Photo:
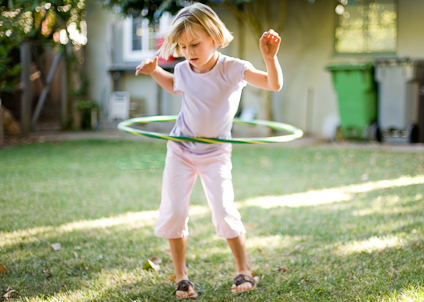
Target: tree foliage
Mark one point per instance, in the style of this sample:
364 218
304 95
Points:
260 15
46 21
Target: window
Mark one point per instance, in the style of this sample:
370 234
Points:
140 37
366 26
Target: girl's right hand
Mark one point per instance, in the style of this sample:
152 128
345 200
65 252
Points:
147 66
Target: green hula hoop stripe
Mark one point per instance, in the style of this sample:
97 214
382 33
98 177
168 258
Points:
296 133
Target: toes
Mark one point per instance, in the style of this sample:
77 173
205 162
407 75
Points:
245 286
191 291
181 294
184 294
242 287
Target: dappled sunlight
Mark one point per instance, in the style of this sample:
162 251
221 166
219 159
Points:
131 220
105 281
300 199
409 294
198 210
70 296
272 242
370 245
127 220
343 193
389 205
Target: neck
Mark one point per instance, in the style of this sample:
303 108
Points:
208 66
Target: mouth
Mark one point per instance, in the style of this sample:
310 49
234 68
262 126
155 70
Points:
194 60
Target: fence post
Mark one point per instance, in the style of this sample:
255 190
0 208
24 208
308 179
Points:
46 89
64 93
26 99
1 126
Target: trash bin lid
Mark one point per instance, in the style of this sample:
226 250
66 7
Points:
349 66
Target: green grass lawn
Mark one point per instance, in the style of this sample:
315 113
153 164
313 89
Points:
324 224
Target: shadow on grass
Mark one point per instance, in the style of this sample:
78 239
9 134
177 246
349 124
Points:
366 248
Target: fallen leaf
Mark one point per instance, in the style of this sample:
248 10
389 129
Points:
75 254
282 269
3 269
92 235
55 246
253 274
171 277
259 250
47 272
9 293
150 265
156 260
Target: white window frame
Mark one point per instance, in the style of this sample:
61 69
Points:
130 55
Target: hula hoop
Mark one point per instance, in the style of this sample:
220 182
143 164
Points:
295 132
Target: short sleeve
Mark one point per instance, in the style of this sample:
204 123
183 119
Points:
235 69
245 65
177 76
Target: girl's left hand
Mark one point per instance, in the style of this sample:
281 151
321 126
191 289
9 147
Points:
269 44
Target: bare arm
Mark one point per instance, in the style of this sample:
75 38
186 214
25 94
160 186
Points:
164 78
273 78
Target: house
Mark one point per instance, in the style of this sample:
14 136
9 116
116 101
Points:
316 33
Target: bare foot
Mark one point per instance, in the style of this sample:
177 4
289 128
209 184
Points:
185 290
244 283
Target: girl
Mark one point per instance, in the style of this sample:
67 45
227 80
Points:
210 84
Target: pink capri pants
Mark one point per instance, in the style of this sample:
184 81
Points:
181 169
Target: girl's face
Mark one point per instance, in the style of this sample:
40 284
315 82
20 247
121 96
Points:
199 49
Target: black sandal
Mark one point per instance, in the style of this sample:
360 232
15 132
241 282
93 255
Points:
240 279
183 286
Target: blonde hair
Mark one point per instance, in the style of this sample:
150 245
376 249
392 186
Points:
192 18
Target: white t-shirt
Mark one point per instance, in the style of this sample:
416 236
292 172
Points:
210 100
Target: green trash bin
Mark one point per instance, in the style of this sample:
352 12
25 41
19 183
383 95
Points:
357 98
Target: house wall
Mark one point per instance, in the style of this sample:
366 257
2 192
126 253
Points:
105 36
411 28
307 99
99 49
307 46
